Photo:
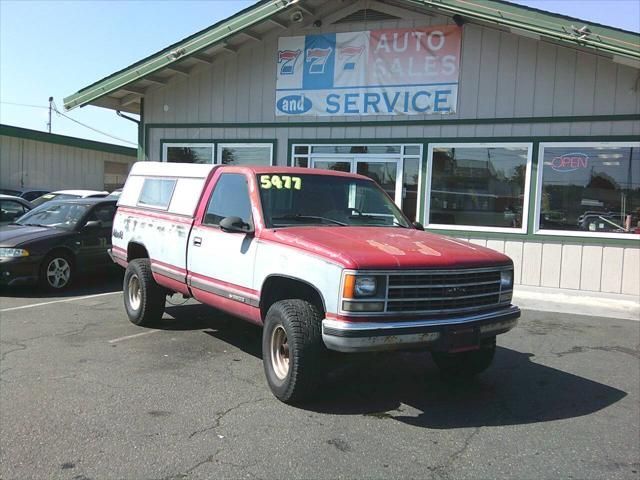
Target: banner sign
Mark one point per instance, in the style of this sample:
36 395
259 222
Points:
379 72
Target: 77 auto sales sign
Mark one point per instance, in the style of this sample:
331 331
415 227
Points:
379 72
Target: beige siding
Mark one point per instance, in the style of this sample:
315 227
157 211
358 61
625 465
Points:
593 268
30 163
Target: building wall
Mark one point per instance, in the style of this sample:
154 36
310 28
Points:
503 76
31 163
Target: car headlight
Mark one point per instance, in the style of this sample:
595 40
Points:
13 252
506 280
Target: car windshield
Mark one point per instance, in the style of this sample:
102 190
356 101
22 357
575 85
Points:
52 196
57 214
298 200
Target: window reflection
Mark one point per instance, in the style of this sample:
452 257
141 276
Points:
590 189
478 186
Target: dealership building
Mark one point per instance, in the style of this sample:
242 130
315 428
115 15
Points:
510 127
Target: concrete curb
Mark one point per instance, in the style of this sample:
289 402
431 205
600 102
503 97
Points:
626 307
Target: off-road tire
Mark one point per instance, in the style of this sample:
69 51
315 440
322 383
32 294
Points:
144 299
46 280
300 321
466 364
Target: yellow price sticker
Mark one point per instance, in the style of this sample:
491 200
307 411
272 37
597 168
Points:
280 181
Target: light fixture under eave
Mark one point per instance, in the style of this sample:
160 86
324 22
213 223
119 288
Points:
296 16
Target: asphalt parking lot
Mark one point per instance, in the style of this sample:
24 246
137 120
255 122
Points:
84 394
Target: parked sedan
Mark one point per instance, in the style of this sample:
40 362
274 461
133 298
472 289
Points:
28 194
12 208
69 194
53 243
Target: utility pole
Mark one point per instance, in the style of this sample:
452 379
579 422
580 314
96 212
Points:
50 107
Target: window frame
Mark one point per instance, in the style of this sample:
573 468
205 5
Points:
167 145
538 199
222 145
475 228
204 223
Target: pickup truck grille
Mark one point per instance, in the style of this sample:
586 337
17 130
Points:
443 292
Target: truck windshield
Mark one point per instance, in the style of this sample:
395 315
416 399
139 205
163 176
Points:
299 200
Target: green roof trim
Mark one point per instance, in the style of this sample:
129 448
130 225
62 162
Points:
563 29
38 136
176 52
558 27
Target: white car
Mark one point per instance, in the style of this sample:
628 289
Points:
68 194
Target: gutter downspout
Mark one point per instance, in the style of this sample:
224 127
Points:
141 153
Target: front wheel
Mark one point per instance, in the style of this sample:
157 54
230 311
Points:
292 349
466 364
56 272
144 299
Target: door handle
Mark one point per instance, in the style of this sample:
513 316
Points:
197 241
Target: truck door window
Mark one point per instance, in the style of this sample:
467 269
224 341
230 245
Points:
230 198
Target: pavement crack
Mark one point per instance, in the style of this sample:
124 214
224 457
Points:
442 471
21 346
220 416
78 331
613 348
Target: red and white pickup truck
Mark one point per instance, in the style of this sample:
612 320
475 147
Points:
322 259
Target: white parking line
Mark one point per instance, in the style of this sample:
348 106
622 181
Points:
58 301
116 340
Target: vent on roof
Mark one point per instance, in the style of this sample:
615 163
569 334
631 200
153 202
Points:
366 15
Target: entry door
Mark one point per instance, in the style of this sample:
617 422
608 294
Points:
222 262
385 172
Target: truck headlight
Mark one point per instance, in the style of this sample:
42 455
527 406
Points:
359 286
506 286
506 280
365 286
13 252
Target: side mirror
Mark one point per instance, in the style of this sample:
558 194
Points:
418 226
92 225
235 225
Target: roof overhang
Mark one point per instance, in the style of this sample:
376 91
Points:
124 89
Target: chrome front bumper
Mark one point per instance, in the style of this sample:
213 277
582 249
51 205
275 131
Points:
447 334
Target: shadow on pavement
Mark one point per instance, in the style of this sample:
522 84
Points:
104 282
515 390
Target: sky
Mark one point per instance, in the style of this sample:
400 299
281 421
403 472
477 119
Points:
54 48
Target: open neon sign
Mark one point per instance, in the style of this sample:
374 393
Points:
569 162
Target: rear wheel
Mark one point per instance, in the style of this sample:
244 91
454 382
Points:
292 349
56 272
144 299
466 364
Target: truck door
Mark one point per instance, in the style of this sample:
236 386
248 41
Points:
218 262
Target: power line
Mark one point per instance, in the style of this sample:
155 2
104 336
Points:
55 109
24 105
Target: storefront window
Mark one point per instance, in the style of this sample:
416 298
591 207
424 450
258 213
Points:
188 153
245 154
589 188
479 187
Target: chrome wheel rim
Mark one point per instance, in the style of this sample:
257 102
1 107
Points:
280 352
58 272
133 292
